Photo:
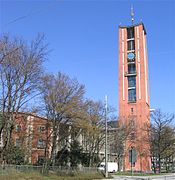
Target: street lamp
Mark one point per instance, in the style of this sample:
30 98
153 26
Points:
106 138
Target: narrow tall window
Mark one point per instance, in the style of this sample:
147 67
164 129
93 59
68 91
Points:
41 160
41 128
132 95
131 45
130 33
131 81
41 144
131 68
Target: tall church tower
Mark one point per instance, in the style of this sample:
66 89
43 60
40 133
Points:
134 99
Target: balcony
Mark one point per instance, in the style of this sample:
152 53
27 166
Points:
131 73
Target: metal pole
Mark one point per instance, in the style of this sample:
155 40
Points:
131 160
106 140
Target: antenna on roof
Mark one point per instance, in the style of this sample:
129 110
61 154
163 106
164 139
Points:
132 14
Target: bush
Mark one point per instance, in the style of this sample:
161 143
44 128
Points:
14 155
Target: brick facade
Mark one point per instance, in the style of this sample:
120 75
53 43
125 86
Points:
30 133
134 107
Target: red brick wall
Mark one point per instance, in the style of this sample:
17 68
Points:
141 107
30 135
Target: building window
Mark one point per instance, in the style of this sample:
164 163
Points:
18 142
131 81
41 128
18 128
41 144
132 95
131 45
130 33
131 68
41 160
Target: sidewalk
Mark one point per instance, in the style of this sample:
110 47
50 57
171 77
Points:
170 176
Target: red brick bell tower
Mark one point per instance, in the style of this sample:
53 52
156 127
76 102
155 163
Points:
134 99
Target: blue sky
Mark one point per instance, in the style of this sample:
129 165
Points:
83 37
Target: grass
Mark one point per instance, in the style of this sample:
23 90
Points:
38 176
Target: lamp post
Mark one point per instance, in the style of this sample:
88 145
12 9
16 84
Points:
106 140
131 159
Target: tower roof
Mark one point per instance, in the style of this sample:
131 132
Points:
133 25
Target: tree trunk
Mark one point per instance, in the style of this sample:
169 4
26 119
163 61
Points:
159 163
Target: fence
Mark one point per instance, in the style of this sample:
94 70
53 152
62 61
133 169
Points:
4 169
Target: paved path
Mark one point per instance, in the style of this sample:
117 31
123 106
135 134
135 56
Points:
158 177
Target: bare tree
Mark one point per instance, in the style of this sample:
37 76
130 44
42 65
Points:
93 130
7 48
122 134
63 101
20 77
162 137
